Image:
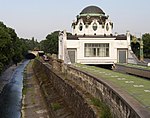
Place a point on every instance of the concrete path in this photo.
(33, 103)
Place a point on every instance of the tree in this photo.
(50, 44)
(136, 49)
(146, 42)
(12, 48)
(6, 51)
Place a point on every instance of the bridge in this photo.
(80, 85)
(32, 54)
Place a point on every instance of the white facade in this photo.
(90, 31)
(92, 41)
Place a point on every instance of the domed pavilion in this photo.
(92, 40)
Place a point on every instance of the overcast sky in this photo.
(37, 18)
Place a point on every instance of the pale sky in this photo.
(37, 18)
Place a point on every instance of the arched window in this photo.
(94, 26)
(107, 27)
(80, 26)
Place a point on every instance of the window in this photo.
(96, 49)
(80, 26)
(107, 27)
(94, 26)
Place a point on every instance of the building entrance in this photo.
(122, 55)
(72, 55)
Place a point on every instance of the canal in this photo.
(11, 95)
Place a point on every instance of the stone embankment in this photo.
(73, 93)
(65, 99)
(55, 102)
(74, 84)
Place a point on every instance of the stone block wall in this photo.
(121, 104)
(68, 91)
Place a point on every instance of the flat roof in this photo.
(76, 37)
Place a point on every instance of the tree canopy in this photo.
(12, 48)
(146, 41)
(50, 44)
(146, 48)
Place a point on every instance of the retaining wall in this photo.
(73, 97)
(121, 104)
(133, 70)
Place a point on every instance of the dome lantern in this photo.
(92, 20)
(92, 10)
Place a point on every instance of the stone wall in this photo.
(99, 89)
(121, 104)
(74, 98)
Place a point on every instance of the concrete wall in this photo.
(114, 45)
(133, 70)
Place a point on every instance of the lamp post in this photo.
(140, 41)
(141, 50)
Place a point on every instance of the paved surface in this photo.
(33, 102)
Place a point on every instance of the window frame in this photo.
(96, 49)
(80, 27)
(94, 26)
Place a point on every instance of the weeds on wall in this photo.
(105, 111)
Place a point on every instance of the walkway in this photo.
(33, 102)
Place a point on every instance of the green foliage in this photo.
(50, 44)
(12, 48)
(6, 51)
(55, 106)
(24, 91)
(1, 67)
(136, 46)
(105, 111)
(146, 42)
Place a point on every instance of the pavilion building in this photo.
(92, 40)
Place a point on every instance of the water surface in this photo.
(11, 95)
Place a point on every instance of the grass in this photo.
(33, 99)
(105, 111)
(24, 91)
(136, 66)
(125, 84)
(55, 106)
